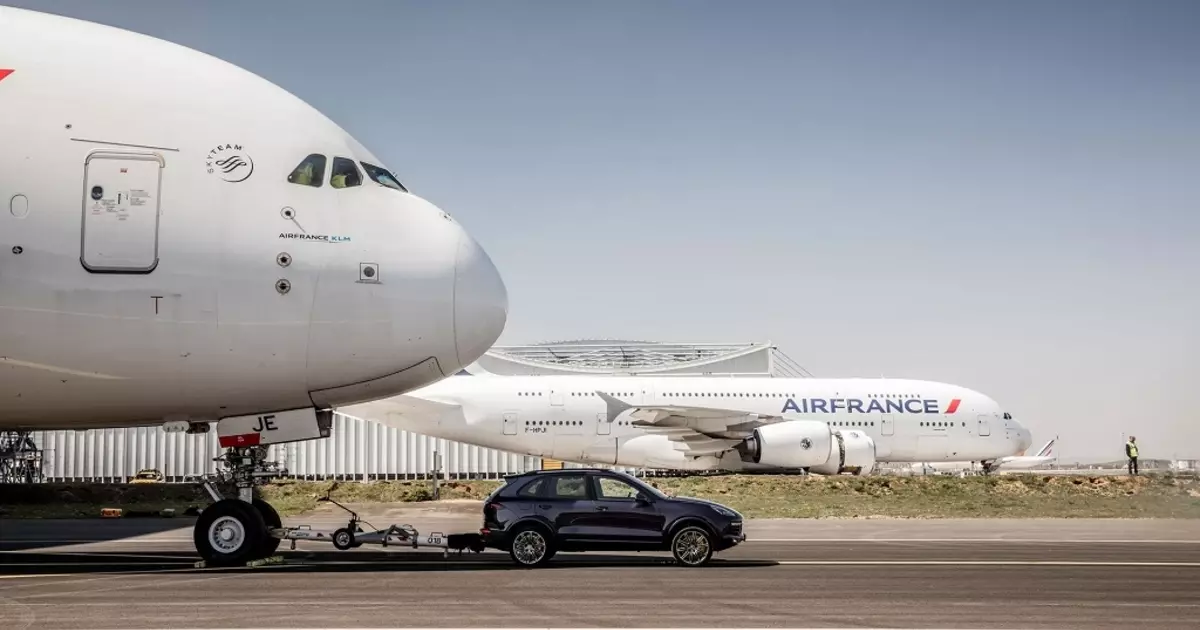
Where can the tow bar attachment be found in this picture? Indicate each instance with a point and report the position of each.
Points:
(352, 536)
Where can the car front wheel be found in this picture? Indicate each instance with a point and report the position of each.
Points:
(692, 546)
(530, 547)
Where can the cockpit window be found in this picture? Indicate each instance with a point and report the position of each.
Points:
(345, 174)
(1007, 416)
(382, 176)
(310, 172)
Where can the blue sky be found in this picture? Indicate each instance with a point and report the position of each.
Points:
(1000, 195)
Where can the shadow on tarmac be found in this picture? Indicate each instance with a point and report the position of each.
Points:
(24, 534)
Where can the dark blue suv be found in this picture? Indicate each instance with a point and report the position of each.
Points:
(534, 515)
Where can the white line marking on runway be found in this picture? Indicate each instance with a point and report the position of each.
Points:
(986, 563)
(515, 628)
(1110, 541)
(34, 575)
(1095, 541)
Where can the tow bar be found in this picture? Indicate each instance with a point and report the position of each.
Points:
(353, 535)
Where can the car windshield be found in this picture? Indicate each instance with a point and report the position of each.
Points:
(383, 177)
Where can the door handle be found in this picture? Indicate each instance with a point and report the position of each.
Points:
(601, 508)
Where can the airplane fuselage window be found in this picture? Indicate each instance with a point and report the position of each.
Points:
(345, 174)
(383, 177)
(310, 171)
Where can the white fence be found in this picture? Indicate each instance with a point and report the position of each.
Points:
(356, 449)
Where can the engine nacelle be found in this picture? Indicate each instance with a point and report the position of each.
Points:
(791, 444)
(850, 451)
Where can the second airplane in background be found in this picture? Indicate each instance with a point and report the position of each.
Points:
(827, 426)
(1044, 457)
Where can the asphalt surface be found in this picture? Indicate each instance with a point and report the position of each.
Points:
(829, 574)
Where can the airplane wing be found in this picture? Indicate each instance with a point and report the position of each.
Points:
(695, 431)
(391, 411)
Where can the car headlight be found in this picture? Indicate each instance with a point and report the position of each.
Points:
(724, 511)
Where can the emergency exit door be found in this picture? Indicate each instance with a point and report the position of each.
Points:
(888, 426)
(510, 423)
(984, 427)
(121, 212)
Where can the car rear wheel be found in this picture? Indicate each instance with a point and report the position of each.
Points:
(530, 547)
(692, 546)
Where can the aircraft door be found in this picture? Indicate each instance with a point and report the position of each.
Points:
(121, 209)
(984, 427)
(888, 426)
(510, 423)
(648, 395)
(556, 398)
(603, 426)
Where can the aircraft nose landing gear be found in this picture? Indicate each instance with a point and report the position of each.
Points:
(230, 532)
(236, 531)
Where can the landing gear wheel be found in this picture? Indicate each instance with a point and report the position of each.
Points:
(272, 520)
(229, 532)
(692, 546)
(343, 539)
(530, 547)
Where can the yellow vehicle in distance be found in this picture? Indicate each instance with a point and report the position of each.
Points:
(147, 475)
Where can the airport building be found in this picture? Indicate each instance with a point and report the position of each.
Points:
(363, 449)
(645, 358)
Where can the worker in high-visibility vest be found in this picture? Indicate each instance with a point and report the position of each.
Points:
(1132, 453)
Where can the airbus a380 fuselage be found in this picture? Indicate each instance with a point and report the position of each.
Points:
(706, 423)
(183, 242)
(172, 245)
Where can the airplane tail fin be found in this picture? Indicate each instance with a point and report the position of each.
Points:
(615, 406)
(1048, 448)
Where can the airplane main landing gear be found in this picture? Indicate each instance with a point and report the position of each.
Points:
(234, 531)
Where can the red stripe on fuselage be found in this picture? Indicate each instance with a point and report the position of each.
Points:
(4, 74)
(953, 406)
(245, 439)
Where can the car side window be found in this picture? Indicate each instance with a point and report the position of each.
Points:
(310, 172)
(345, 174)
(570, 487)
(532, 489)
(610, 488)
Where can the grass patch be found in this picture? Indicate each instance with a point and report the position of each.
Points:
(297, 497)
(756, 496)
(1006, 496)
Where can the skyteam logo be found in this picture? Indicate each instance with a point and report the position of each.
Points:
(869, 405)
(230, 162)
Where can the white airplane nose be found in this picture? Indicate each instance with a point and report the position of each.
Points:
(480, 302)
(1024, 439)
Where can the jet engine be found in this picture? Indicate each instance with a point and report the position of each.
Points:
(791, 444)
(850, 451)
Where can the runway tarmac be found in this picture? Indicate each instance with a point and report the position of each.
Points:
(798, 574)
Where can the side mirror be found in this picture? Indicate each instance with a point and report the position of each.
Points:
(642, 499)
